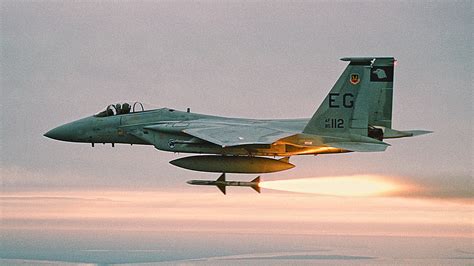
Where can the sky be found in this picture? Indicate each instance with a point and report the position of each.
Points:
(64, 61)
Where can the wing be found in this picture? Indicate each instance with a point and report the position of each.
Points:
(237, 135)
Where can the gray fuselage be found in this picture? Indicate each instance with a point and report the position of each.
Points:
(167, 133)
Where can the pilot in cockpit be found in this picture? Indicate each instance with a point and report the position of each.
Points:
(108, 112)
(118, 108)
(125, 108)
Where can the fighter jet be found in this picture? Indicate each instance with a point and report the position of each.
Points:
(356, 116)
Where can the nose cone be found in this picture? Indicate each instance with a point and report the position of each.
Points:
(64, 133)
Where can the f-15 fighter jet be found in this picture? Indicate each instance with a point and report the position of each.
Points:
(356, 116)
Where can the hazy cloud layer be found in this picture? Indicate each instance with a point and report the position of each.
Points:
(434, 187)
(188, 210)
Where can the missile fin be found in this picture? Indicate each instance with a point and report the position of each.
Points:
(221, 178)
(221, 188)
(256, 187)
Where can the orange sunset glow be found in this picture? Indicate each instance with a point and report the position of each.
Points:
(350, 186)
(177, 210)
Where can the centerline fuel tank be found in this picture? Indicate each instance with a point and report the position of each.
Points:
(233, 164)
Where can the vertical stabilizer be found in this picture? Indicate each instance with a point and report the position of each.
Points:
(345, 108)
(381, 92)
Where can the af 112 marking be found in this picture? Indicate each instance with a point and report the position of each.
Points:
(334, 123)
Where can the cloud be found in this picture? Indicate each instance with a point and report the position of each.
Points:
(241, 211)
(446, 187)
(457, 188)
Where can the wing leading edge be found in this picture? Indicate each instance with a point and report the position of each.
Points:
(238, 135)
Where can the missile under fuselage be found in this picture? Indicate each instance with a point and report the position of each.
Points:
(221, 183)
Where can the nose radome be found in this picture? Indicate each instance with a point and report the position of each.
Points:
(73, 131)
(64, 133)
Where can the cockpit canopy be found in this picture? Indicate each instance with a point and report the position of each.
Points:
(121, 109)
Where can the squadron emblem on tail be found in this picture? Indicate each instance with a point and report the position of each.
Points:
(380, 73)
(355, 79)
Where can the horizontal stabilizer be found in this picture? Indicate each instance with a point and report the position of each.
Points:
(415, 133)
(392, 133)
(360, 146)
